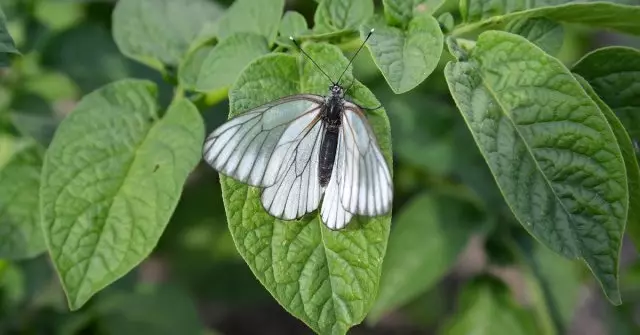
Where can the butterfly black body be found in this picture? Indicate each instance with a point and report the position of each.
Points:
(331, 116)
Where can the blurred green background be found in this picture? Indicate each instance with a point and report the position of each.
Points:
(478, 269)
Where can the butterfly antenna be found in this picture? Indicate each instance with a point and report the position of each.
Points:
(314, 62)
(355, 54)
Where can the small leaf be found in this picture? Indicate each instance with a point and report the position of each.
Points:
(630, 161)
(337, 15)
(405, 58)
(328, 279)
(550, 149)
(292, 24)
(249, 16)
(546, 34)
(400, 12)
(486, 307)
(20, 232)
(446, 21)
(223, 63)
(428, 235)
(614, 73)
(104, 203)
(7, 46)
(157, 32)
(618, 16)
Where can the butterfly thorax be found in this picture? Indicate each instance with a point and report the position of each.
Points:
(331, 115)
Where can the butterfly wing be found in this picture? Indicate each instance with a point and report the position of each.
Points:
(365, 182)
(252, 147)
(297, 190)
(360, 181)
(333, 213)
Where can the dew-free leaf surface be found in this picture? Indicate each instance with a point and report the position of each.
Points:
(111, 178)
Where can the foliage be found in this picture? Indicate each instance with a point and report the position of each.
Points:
(500, 134)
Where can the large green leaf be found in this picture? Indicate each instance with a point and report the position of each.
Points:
(406, 58)
(250, 16)
(486, 307)
(223, 63)
(20, 232)
(614, 73)
(157, 32)
(630, 161)
(400, 12)
(549, 147)
(328, 279)
(111, 178)
(546, 34)
(427, 237)
(7, 45)
(620, 16)
(337, 15)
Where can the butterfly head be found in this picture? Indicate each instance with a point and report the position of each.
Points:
(336, 91)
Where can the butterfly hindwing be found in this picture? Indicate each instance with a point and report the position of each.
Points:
(365, 181)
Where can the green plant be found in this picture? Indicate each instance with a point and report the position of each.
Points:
(558, 141)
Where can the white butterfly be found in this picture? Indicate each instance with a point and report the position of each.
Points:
(300, 147)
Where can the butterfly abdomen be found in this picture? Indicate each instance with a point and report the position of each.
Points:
(327, 157)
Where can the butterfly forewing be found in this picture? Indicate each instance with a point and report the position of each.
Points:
(297, 190)
(247, 145)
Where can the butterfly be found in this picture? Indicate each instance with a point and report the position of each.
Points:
(305, 148)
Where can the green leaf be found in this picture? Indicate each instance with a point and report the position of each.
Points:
(614, 73)
(222, 65)
(405, 58)
(20, 232)
(555, 287)
(157, 32)
(292, 24)
(550, 149)
(428, 235)
(446, 20)
(258, 17)
(337, 15)
(546, 34)
(608, 15)
(7, 46)
(630, 161)
(400, 12)
(328, 279)
(111, 178)
(487, 308)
